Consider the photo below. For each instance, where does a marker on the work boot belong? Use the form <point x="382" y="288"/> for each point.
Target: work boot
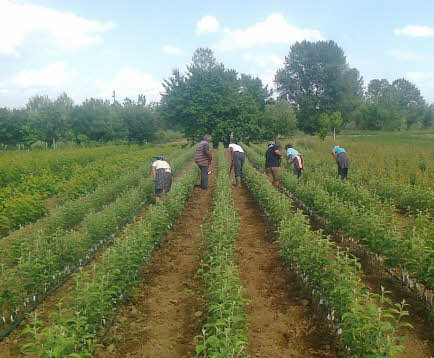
<point x="238" y="180"/>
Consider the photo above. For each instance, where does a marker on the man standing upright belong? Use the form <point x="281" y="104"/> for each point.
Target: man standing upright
<point x="273" y="157"/>
<point x="203" y="159"/>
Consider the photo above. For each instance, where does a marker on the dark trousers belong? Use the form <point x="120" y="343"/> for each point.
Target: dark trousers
<point x="342" y="172"/>
<point x="297" y="171"/>
<point x="203" y="177"/>
<point x="238" y="163"/>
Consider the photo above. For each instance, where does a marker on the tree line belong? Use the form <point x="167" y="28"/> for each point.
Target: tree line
<point x="318" y="83"/>
<point x="44" y="121"/>
<point x="316" y="92"/>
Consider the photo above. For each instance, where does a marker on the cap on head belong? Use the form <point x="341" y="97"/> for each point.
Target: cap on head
<point x="288" y="146"/>
<point x="270" y="143"/>
<point x="160" y="157"/>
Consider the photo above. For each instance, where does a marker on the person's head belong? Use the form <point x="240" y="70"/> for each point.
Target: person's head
<point x="288" y="146"/>
<point x="160" y="157"/>
<point x="270" y="143"/>
<point x="336" y="146"/>
<point x="207" y="137"/>
<point x="277" y="142"/>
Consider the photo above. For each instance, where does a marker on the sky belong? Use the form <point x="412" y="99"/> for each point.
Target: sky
<point x="92" y="48"/>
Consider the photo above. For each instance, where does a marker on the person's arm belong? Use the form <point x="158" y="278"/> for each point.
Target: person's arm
<point x="279" y="153"/>
<point x="289" y="160"/>
<point x="232" y="159"/>
<point x="207" y="151"/>
<point x="334" y="155"/>
<point x="154" y="173"/>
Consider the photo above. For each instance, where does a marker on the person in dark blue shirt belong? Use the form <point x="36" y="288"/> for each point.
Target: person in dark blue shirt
<point x="273" y="157"/>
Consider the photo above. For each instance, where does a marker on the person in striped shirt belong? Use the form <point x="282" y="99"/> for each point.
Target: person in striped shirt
<point x="203" y="159"/>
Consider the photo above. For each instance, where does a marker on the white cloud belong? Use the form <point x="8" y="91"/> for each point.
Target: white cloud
<point x="51" y="80"/>
<point x="172" y="50"/>
<point x="49" y="76"/>
<point x="207" y="24"/>
<point x="130" y="83"/>
<point x="267" y="78"/>
<point x="55" y="29"/>
<point x="414" y="31"/>
<point x="424" y="79"/>
<point x="274" y="30"/>
<point x="56" y="78"/>
<point x="265" y="61"/>
<point x="265" y="67"/>
<point x="404" y="55"/>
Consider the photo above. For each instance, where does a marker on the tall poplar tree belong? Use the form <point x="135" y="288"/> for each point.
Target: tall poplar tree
<point x="315" y="79"/>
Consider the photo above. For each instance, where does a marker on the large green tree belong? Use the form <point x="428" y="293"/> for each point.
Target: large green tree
<point x="46" y="122"/>
<point x="12" y="124"/>
<point x="209" y="98"/>
<point x="396" y="105"/>
<point x="279" y="119"/>
<point x="139" y="120"/>
<point x="316" y="79"/>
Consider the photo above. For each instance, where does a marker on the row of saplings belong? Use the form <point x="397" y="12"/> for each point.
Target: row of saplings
<point x="367" y="323"/>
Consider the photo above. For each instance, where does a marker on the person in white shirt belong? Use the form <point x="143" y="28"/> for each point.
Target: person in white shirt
<point x="237" y="162"/>
<point x="162" y="175"/>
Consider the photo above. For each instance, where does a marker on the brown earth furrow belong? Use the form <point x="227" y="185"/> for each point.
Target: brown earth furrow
<point x="165" y="311"/>
<point x="281" y="322"/>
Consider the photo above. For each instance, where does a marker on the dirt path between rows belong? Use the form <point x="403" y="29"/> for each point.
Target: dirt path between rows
<point x="166" y="310"/>
<point x="281" y="322"/>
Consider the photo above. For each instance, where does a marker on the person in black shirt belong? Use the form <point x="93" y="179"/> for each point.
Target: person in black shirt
<point x="273" y="157"/>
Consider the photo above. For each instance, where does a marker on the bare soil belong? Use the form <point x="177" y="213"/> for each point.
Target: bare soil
<point x="166" y="311"/>
<point x="281" y="320"/>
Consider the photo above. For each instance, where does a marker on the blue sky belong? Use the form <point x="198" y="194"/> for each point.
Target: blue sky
<point x="90" y="48"/>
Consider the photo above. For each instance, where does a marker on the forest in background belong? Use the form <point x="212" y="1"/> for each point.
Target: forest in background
<point x="317" y="92"/>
